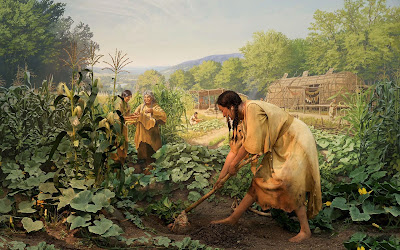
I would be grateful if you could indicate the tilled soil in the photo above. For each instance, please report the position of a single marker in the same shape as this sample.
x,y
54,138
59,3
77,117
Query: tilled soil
x,y
251,232
224,236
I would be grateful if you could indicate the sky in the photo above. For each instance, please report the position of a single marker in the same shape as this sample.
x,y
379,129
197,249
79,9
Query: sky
x,y
168,32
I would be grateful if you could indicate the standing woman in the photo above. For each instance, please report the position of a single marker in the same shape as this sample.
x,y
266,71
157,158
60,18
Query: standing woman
x,y
288,177
148,116
122,150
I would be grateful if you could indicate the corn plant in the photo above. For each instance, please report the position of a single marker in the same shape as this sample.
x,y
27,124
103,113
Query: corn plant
x,y
118,62
382,122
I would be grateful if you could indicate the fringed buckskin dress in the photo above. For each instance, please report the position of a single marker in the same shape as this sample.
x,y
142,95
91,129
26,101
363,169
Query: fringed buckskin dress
x,y
289,169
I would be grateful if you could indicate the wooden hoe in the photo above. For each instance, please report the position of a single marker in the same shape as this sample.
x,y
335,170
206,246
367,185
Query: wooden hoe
x,y
181,221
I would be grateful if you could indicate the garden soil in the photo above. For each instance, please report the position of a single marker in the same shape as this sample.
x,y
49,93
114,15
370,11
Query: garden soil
x,y
251,232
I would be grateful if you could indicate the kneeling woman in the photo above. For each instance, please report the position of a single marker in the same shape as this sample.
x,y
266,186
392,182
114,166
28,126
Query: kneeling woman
x,y
289,169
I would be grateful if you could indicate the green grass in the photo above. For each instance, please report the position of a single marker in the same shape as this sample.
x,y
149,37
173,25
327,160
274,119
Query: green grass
x,y
223,138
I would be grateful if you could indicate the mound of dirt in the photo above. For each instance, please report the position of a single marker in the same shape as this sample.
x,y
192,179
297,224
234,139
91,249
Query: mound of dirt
x,y
221,235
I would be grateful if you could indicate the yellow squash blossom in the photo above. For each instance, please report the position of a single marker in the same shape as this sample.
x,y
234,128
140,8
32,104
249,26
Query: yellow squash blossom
x,y
361,248
328,203
363,191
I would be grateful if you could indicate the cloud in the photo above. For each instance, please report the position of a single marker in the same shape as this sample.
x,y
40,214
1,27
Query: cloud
x,y
164,32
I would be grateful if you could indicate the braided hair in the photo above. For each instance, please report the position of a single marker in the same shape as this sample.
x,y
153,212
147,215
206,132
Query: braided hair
x,y
230,99
126,93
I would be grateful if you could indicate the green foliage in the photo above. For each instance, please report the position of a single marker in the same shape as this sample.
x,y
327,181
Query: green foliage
x,y
28,120
105,228
361,240
31,225
208,125
361,38
181,79
177,166
165,242
231,75
149,79
17,245
358,109
31,123
266,58
365,193
205,73
165,209
172,102
381,136
238,187
371,191
26,34
33,35
340,154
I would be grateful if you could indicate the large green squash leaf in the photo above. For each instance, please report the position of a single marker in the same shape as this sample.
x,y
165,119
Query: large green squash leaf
x,y
101,226
65,199
357,216
48,188
31,225
340,202
5,205
26,207
114,230
79,221
395,211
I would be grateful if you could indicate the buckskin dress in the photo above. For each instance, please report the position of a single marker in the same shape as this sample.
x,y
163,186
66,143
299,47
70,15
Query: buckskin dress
x,y
289,169
147,136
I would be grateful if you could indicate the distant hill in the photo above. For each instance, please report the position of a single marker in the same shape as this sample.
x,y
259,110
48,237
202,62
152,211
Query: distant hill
x,y
189,64
168,70
131,70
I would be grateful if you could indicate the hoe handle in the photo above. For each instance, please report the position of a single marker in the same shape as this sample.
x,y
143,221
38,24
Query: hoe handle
x,y
222,181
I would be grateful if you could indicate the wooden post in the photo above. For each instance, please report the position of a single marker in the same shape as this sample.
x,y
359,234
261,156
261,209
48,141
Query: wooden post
x,y
209,100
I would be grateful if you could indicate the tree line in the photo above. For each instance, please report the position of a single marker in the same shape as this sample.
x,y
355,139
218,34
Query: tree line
x,y
33,36
363,37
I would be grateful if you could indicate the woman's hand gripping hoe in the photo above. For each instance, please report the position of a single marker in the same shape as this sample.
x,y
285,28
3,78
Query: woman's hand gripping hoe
x,y
181,221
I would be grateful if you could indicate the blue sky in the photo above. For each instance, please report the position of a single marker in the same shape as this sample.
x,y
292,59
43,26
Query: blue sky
x,y
168,32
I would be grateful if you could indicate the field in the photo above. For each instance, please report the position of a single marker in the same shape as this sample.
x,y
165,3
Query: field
x,y
62,189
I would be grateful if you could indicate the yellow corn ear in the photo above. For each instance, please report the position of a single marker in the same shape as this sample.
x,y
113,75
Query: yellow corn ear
x,y
78,111
60,89
107,125
110,118
67,91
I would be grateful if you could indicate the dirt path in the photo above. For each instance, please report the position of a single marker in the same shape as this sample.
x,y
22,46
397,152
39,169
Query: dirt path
x,y
211,135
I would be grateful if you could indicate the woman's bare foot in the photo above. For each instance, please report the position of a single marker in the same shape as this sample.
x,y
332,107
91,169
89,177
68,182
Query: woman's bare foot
x,y
228,221
301,236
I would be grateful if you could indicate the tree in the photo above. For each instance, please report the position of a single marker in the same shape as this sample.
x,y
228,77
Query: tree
x,y
205,73
231,75
26,36
148,79
34,34
66,34
361,38
181,79
298,57
266,59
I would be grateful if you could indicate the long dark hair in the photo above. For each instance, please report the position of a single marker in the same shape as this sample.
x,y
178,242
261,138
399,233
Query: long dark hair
x,y
126,93
230,99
